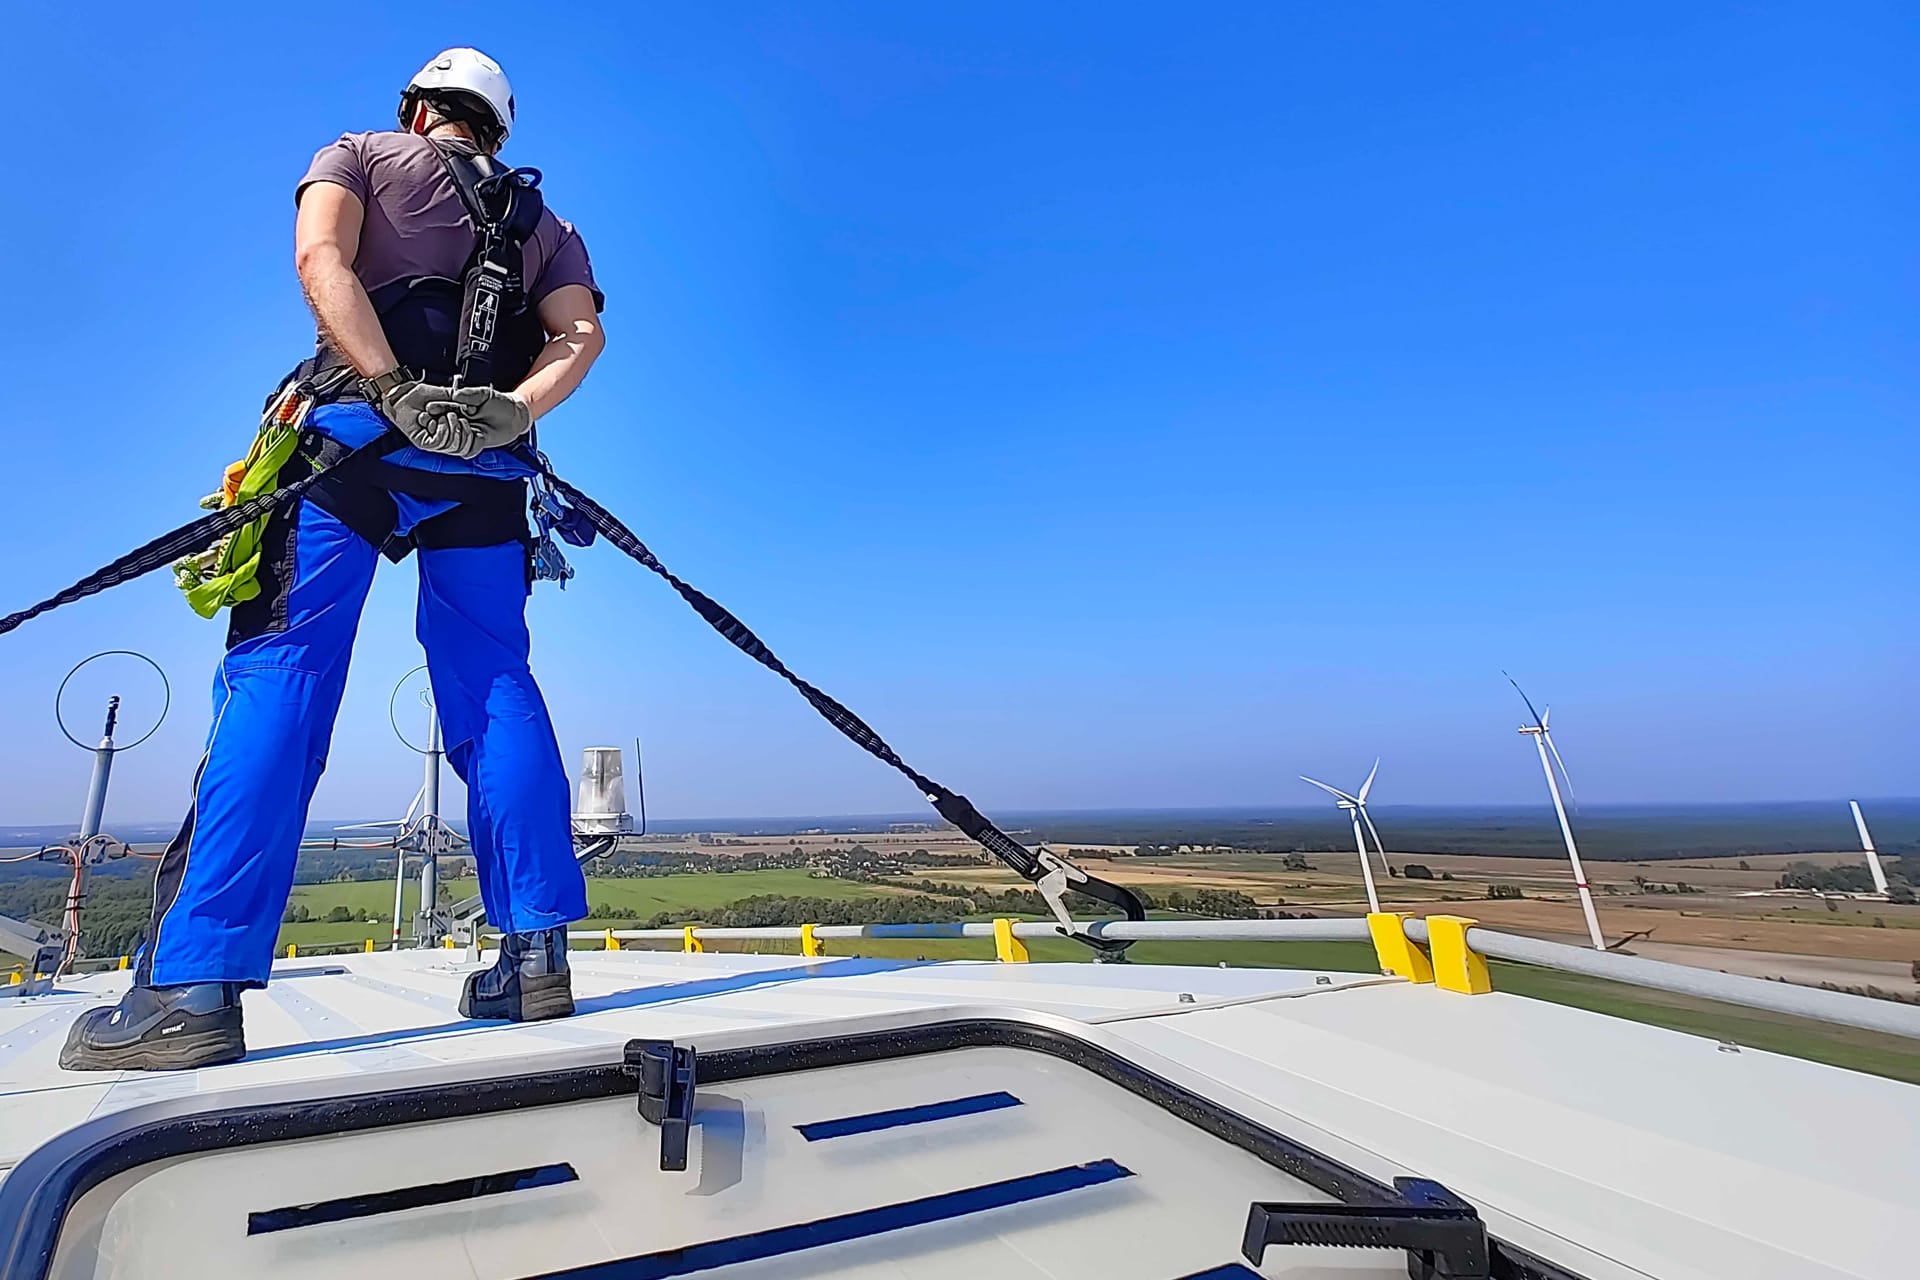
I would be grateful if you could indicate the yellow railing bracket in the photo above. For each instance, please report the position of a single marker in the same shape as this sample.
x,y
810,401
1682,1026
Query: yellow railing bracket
x,y
613,943
1006,947
809,945
1456,966
125,961
369,945
689,942
1399,954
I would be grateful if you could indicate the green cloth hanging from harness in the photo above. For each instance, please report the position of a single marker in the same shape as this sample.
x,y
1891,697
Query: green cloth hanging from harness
x,y
229,573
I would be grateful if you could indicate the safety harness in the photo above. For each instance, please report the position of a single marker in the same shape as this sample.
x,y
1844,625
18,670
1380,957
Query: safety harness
x,y
474,331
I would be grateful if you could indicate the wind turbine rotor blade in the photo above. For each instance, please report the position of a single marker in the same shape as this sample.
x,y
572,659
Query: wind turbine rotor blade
x,y
1537,719
1368,784
1335,792
1565,776
1378,843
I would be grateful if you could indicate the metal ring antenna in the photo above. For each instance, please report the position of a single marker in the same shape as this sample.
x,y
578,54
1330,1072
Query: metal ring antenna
x,y
166,699
393,717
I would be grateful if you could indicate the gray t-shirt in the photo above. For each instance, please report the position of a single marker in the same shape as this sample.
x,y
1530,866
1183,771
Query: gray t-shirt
x,y
416,224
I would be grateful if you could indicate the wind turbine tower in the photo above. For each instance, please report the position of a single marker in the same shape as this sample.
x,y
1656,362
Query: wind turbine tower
x,y
1356,807
1549,757
1873,857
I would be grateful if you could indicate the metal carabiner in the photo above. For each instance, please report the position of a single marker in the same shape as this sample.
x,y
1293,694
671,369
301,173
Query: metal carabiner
x,y
549,563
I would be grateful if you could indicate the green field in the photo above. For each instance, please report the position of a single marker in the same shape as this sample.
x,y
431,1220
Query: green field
x,y
642,897
631,899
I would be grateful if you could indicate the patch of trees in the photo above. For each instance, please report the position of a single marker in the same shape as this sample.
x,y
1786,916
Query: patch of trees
x,y
1645,885
1504,891
1845,878
1219,904
300,913
1215,904
845,859
980,901
115,911
765,910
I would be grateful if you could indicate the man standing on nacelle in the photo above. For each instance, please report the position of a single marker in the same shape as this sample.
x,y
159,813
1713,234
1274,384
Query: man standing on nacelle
x,y
457,310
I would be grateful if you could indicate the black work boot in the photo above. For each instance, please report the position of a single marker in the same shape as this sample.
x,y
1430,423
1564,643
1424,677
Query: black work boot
x,y
159,1029
527,983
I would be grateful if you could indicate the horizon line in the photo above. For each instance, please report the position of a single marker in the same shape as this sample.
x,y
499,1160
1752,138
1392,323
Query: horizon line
x,y
934,819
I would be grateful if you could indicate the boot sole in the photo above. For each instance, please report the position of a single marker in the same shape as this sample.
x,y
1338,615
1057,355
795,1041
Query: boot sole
x,y
175,1053
540,999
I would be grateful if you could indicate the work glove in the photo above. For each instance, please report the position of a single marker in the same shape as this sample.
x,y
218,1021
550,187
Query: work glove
x,y
426,414
499,417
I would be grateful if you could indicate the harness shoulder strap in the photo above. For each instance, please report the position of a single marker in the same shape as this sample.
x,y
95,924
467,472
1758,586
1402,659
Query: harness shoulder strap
x,y
467,172
482,185
506,207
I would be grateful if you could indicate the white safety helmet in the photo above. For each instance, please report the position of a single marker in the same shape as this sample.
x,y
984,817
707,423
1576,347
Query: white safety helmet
x,y
469,74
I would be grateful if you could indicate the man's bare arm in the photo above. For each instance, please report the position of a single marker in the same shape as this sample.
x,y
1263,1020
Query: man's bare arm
x,y
326,237
574,341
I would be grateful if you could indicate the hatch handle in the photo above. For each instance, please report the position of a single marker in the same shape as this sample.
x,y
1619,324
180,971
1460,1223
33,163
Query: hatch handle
x,y
1442,1234
666,1074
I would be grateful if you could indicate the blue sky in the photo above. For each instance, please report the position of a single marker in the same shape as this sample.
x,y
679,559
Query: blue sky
x,y
1117,405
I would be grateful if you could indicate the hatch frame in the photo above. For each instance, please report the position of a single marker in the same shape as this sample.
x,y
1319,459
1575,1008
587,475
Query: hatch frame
x,y
39,1192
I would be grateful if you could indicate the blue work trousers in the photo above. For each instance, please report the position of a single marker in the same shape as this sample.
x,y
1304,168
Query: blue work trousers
x,y
224,883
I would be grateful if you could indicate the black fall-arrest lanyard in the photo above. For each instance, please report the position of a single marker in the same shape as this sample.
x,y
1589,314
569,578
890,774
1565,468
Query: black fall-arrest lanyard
x,y
1049,873
505,206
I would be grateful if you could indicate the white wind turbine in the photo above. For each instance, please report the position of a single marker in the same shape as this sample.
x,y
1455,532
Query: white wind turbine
x,y
1356,807
1543,739
1873,857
